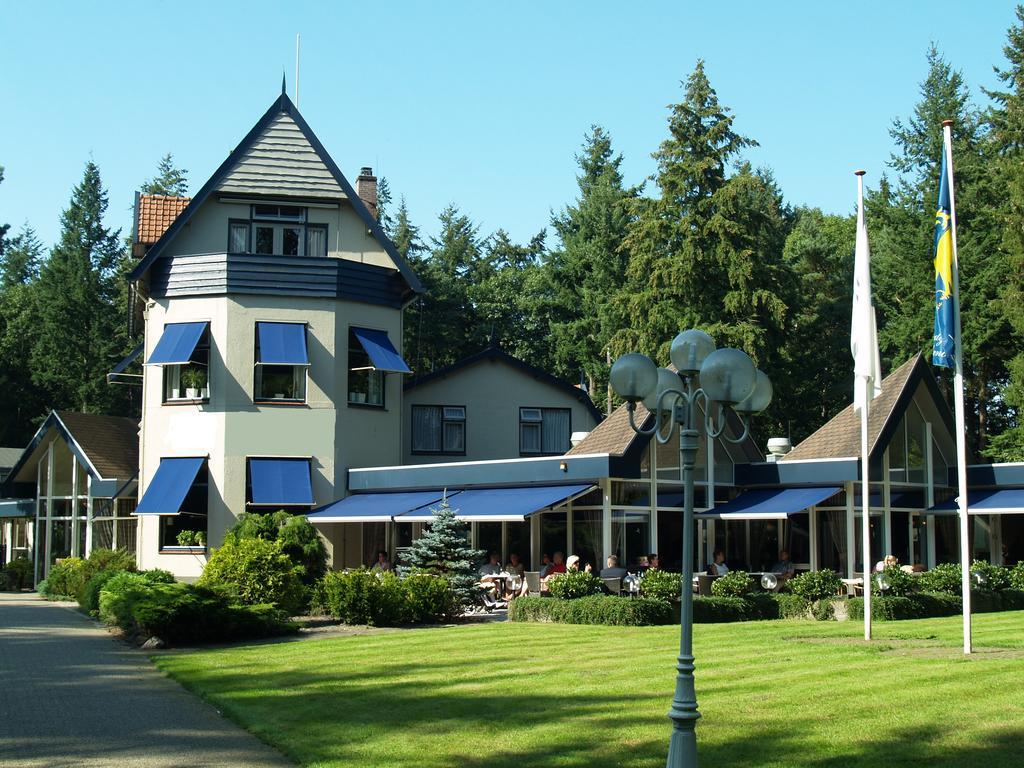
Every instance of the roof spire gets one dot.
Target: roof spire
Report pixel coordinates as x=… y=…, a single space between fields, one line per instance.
x=284 y=85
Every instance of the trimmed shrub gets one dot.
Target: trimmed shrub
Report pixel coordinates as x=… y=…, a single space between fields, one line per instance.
x=886 y=608
x=732 y=584
x=986 y=601
x=791 y=606
x=89 y=597
x=385 y=599
x=118 y=596
x=936 y=603
x=1016 y=576
x=666 y=586
x=255 y=572
x=763 y=605
x=994 y=577
x=298 y=538
x=824 y=610
x=718 y=610
x=1013 y=599
x=108 y=560
x=65 y=581
x=595 y=609
x=430 y=598
x=900 y=583
x=17 y=574
x=816 y=585
x=573 y=585
x=347 y=594
x=944 y=577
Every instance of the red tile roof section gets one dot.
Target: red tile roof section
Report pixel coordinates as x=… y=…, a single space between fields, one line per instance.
x=155 y=214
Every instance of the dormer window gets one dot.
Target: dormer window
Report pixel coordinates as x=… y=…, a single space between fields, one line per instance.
x=277 y=230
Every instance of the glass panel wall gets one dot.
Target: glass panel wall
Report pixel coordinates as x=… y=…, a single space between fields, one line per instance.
x=488 y=539
x=586 y=538
x=519 y=542
x=552 y=533
x=630 y=537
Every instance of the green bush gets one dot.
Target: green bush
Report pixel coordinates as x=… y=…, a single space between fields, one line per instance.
x=255 y=572
x=385 y=599
x=573 y=585
x=108 y=560
x=298 y=538
x=118 y=596
x=65 y=581
x=886 y=608
x=763 y=605
x=717 y=610
x=594 y=609
x=89 y=597
x=1016 y=576
x=1013 y=599
x=347 y=595
x=944 y=577
x=816 y=585
x=732 y=584
x=994 y=577
x=791 y=606
x=661 y=585
x=17 y=574
x=430 y=598
x=900 y=583
x=986 y=601
x=935 y=604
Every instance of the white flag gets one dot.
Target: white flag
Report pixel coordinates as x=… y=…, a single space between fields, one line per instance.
x=863 y=329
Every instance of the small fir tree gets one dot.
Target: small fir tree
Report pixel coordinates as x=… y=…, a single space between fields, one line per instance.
x=444 y=550
x=170 y=180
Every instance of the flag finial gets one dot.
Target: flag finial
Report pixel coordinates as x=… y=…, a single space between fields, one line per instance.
x=859 y=173
x=946 y=122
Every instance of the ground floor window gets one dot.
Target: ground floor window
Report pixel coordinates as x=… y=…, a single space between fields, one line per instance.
x=631 y=537
x=113 y=525
x=189 y=528
x=553 y=530
x=488 y=538
x=587 y=541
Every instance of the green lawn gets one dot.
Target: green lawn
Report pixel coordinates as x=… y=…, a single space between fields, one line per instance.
x=782 y=694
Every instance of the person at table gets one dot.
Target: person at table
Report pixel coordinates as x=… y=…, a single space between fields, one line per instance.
x=556 y=567
x=572 y=563
x=650 y=563
x=784 y=568
x=488 y=573
x=613 y=570
x=545 y=566
x=718 y=567
x=515 y=565
x=890 y=560
x=382 y=563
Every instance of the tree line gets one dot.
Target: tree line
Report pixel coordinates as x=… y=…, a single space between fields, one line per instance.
x=706 y=241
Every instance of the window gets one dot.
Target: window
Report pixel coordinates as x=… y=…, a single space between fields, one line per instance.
x=277 y=230
x=191 y=518
x=281 y=363
x=544 y=431
x=238 y=237
x=439 y=429
x=316 y=240
x=190 y=381
x=365 y=383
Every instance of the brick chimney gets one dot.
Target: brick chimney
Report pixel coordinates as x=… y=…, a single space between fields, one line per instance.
x=366 y=188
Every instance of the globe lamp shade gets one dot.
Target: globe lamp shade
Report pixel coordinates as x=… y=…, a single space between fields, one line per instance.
x=689 y=350
x=769 y=581
x=666 y=380
x=634 y=376
x=728 y=376
x=759 y=399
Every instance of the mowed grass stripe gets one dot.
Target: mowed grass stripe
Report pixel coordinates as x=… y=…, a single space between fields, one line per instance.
x=772 y=694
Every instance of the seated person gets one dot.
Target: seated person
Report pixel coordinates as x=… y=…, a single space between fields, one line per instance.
x=890 y=560
x=718 y=567
x=382 y=563
x=613 y=571
x=556 y=567
x=515 y=565
x=784 y=569
x=488 y=571
x=545 y=565
x=572 y=563
x=649 y=563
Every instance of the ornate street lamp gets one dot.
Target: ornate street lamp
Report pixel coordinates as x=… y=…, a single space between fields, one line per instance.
x=728 y=382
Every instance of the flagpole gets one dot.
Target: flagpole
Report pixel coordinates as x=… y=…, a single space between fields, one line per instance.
x=865 y=382
x=958 y=404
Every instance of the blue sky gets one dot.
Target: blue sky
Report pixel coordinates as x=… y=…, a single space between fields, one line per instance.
x=480 y=104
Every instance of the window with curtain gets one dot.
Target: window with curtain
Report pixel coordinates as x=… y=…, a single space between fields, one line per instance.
x=281 y=230
x=438 y=429
x=544 y=431
x=238 y=237
x=316 y=240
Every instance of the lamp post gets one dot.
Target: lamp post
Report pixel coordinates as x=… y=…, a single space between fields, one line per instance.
x=728 y=382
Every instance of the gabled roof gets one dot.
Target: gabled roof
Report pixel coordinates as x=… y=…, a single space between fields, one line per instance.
x=496 y=354
x=282 y=105
x=840 y=437
x=616 y=437
x=9 y=457
x=154 y=214
x=107 y=446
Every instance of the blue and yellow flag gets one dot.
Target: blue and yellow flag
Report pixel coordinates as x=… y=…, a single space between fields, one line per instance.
x=944 y=343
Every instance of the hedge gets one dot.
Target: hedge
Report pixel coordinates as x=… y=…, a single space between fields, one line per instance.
x=256 y=572
x=595 y=609
x=17 y=574
x=385 y=599
x=925 y=605
x=573 y=585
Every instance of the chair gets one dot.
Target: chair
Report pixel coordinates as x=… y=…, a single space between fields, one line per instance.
x=613 y=585
x=532 y=582
x=704 y=581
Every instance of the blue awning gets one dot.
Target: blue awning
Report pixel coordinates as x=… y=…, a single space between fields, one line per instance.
x=374 y=507
x=499 y=504
x=167 y=490
x=280 y=482
x=281 y=344
x=17 y=507
x=382 y=353
x=772 y=504
x=177 y=343
x=1006 y=501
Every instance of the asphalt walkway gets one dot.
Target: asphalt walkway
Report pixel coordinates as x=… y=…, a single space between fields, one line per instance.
x=71 y=695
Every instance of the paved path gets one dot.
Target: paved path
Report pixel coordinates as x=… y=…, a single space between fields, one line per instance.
x=71 y=695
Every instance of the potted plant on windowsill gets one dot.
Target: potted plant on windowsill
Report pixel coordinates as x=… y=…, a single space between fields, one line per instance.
x=194 y=379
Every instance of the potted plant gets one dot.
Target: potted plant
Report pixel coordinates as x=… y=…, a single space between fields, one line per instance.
x=194 y=380
x=200 y=538
x=186 y=538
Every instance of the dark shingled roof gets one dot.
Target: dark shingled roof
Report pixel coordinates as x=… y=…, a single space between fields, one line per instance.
x=110 y=442
x=840 y=437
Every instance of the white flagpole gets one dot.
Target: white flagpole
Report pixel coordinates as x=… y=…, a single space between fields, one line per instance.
x=958 y=404
x=865 y=382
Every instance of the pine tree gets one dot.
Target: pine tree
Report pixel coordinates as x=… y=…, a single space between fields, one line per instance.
x=80 y=331
x=170 y=180
x=384 y=207
x=443 y=550
x=590 y=266
x=406 y=235
x=3 y=227
x=20 y=258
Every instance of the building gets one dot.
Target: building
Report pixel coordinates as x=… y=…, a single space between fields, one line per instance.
x=75 y=485
x=273 y=315
x=491 y=405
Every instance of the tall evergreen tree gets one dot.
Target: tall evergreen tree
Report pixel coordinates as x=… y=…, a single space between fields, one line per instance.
x=406 y=235
x=590 y=267
x=387 y=223
x=80 y=332
x=707 y=252
x=170 y=180
x=21 y=258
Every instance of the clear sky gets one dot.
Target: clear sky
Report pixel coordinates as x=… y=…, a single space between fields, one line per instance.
x=483 y=104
